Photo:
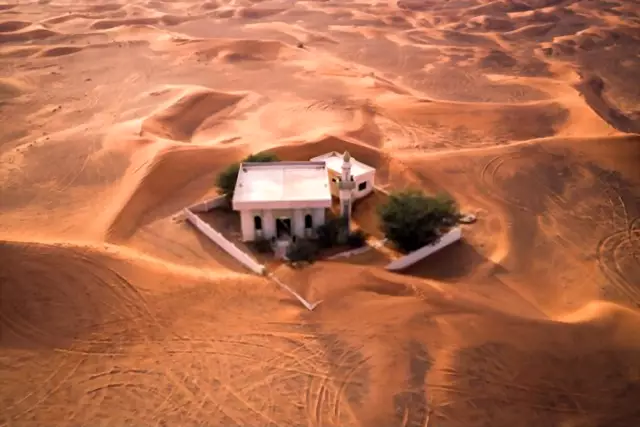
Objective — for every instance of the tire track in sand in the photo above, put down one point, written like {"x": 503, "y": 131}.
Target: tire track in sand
{"x": 346, "y": 381}
{"x": 43, "y": 392}
{"x": 315, "y": 401}
{"x": 608, "y": 259}
{"x": 330, "y": 389}
{"x": 488, "y": 178}
{"x": 125, "y": 299}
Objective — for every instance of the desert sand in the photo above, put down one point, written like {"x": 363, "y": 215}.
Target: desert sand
{"x": 117, "y": 114}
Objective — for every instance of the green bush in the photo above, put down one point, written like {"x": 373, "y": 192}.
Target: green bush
{"x": 356, "y": 239}
{"x": 411, "y": 219}
{"x": 226, "y": 181}
{"x": 324, "y": 236}
{"x": 302, "y": 250}
{"x": 262, "y": 246}
{"x": 327, "y": 234}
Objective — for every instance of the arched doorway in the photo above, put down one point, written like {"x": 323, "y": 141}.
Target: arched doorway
{"x": 283, "y": 227}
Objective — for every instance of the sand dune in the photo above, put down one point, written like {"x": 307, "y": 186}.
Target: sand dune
{"x": 502, "y": 350}
{"x": 12, "y": 26}
{"x": 26, "y": 35}
{"x": 12, "y": 88}
{"x": 116, "y": 115}
{"x": 151, "y": 187}
{"x": 182, "y": 119}
{"x": 592, "y": 89}
{"x": 236, "y": 50}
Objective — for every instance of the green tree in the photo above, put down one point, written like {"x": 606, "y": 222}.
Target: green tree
{"x": 226, "y": 181}
{"x": 411, "y": 219}
{"x": 327, "y": 234}
{"x": 302, "y": 250}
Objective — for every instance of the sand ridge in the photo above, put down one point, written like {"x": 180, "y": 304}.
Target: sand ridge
{"x": 115, "y": 115}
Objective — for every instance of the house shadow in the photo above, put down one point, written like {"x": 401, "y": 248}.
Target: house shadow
{"x": 454, "y": 262}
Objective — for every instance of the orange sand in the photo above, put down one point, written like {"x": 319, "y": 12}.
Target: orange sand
{"x": 115, "y": 115}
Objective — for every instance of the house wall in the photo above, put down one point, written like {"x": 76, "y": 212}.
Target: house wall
{"x": 319, "y": 216}
{"x": 269, "y": 217}
{"x": 368, "y": 177}
{"x": 445, "y": 240}
{"x": 297, "y": 222}
{"x": 246, "y": 226}
{"x": 333, "y": 185}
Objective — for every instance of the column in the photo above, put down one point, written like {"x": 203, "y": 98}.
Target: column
{"x": 268, "y": 223}
{"x": 297, "y": 222}
{"x": 246, "y": 225}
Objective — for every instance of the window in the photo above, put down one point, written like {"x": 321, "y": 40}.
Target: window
{"x": 308, "y": 221}
{"x": 362, "y": 186}
{"x": 257, "y": 222}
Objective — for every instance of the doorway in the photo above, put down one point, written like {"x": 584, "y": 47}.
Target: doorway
{"x": 283, "y": 227}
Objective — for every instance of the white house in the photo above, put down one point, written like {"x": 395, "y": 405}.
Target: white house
{"x": 281, "y": 199}
{"x": 363, "y": 175}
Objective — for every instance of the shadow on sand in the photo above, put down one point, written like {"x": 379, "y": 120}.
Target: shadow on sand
{"x": 454, "y": 262}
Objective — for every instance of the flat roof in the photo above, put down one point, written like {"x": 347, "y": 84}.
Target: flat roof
{"x": 334, "y": 162}
{"x": 283, "y": 182}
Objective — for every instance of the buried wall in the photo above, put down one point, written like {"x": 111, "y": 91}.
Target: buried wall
{"x": 210, "y": 204}
{"x": 450, "y": 237}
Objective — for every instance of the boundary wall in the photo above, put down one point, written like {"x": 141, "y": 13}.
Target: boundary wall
{"x": 450, "y": 237}
{"x": 224, "y": 243}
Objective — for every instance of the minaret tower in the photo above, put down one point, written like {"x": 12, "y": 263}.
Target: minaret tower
{"x": 346, "y": 186}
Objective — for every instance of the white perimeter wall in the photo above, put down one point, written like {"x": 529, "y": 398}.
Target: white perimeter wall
{"x": 225, "y": 244}
{"x": 208, "y": 205}
{"x": 352, "y": 252}
{"x": 445, "y": 240}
